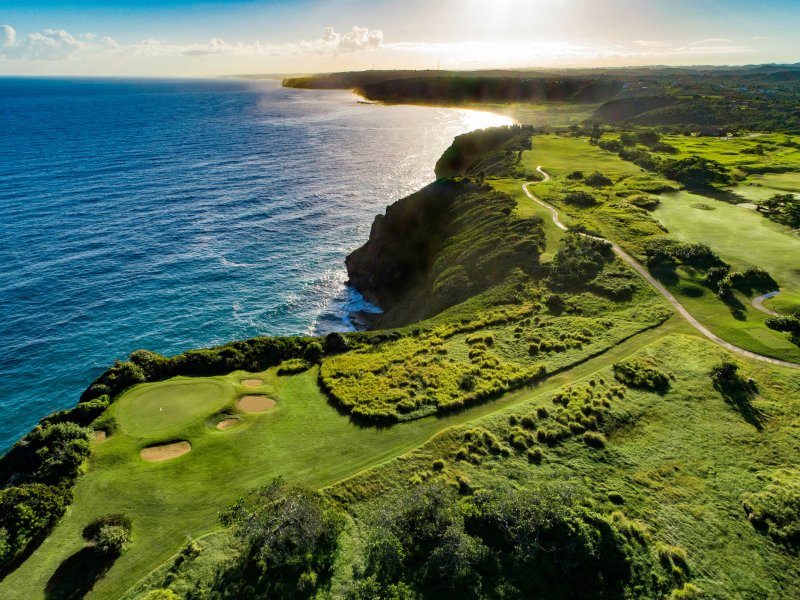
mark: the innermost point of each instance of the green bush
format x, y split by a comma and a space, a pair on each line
582, 199
641, 373
594, 439
27, 513
644, 201
294, 366
597, 179
776, 511
290, 536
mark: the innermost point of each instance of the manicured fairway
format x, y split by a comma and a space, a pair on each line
739, 235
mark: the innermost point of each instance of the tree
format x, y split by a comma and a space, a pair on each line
290, 536
109, 534
696, 171
782, 208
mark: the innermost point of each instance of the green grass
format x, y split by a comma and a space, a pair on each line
527, 208
160, 410
729, 151
302, 439
678, 463
739, 235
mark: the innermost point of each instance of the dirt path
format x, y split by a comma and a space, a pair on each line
758, 303
660, 288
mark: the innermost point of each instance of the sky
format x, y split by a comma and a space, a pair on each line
187, 38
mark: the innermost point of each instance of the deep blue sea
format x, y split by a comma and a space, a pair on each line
172, 215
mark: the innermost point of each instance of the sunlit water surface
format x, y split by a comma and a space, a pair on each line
170, 215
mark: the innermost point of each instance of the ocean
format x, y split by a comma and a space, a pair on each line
179, 214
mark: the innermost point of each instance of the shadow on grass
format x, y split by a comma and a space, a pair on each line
740, 395
76, 576
665, 274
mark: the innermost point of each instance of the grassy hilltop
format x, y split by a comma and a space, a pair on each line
528, 416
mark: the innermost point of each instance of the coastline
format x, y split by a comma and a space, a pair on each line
391, 157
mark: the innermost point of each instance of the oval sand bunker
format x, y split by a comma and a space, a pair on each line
255, 403
165, 451
227, 424
253, 382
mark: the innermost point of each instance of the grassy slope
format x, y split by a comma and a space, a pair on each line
768, 245
740, 236
303, 439
681, 463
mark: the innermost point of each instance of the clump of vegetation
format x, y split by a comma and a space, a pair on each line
502, 543
579, 198
748, 280
27, 512
579, 259
109, 535
594, 439
736, 390
290, 541
597, 179
666, 251
776, 510
696, 171
293, 366
641, 373
782, 208
645, 201
788, 324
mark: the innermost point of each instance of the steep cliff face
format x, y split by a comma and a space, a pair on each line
440, 246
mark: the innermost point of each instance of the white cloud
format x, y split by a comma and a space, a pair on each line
7, 36
651, 44
58, 44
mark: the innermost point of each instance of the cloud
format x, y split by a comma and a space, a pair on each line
651, 44
7, 36
357, 40
58, 44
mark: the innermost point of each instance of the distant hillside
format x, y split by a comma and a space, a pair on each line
469, 89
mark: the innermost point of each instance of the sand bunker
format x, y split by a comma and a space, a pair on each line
227, 424
100, 436
253, 382
165, 451
255, 403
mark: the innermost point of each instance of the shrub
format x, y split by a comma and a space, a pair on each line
579, 259
575, 176
776, 511
597, 179
696, 171
749, 279
27, 512
594, 439
641, 373
109, 534
582, 199
644, 201
335, 343
290, 537
294, 366
535, 455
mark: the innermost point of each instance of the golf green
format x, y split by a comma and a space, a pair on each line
154, 411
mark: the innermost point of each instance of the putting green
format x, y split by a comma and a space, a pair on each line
159, 409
